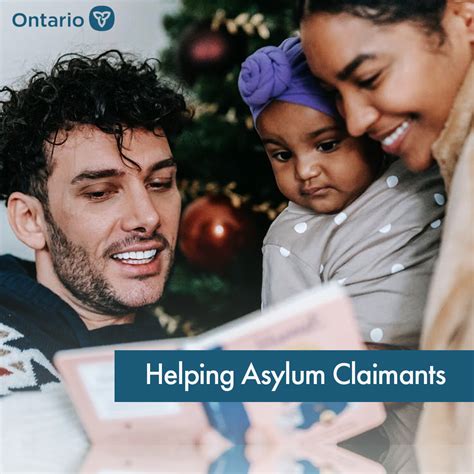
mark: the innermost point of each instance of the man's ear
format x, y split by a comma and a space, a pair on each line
465, 10
26, 217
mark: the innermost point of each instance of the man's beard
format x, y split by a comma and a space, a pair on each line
72, 264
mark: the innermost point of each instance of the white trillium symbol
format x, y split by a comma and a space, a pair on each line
101, 17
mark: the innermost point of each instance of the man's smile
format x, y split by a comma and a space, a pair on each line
136, 258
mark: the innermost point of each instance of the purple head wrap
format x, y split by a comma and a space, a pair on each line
282, 73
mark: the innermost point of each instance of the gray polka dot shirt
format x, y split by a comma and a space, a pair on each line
382, 248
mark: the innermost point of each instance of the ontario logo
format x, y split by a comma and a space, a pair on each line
101, 18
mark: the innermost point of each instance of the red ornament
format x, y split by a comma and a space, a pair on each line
208, 49
203, 50
213, 232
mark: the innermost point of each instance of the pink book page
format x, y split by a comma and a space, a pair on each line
336, 459
285, 458
312, 322
330, 326
137, 458
256, 459
278, 422
316, 319
89, 378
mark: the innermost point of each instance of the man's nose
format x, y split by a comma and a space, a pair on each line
140, 213
358, 114
307, 167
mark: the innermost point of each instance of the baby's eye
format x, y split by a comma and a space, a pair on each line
328, 146
282, 156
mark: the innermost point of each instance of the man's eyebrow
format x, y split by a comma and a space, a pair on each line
170, 162
111, 173
353, 65
96, 174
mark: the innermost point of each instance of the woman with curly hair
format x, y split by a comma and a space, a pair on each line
90, 184
403, 73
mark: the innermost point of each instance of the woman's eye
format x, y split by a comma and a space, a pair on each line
329, 146
369, 82
282, 156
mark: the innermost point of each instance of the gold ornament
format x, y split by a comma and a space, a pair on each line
257, 19
231, 115
249, 122
248, 24
263, 31
218, 20
232, 27
241, 19
249, 28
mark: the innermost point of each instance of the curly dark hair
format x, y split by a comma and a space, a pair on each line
426, 13
111, 91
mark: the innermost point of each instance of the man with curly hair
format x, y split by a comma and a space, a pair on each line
90, 185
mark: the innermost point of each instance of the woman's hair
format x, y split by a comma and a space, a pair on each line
109, 91
426, 13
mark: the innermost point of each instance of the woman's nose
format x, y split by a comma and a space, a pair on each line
358, 114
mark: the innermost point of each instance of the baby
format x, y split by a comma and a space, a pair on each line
354, 216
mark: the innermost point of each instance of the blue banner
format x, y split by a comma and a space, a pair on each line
298, 376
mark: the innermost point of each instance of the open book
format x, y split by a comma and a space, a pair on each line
317, 319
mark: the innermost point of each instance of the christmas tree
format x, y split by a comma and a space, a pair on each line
229, 194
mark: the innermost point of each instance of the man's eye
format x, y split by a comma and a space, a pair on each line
282, 156
328, 146
98, 195
159, 185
